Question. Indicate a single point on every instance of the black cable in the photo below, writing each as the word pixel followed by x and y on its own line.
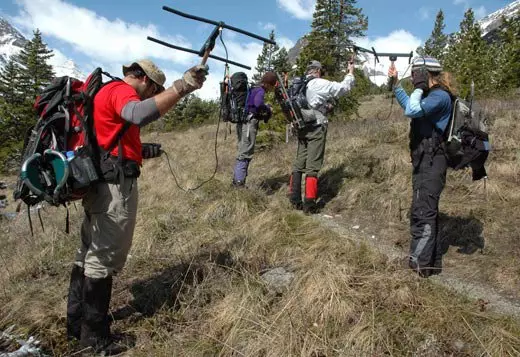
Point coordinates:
pixel 215 147
pixel 389 112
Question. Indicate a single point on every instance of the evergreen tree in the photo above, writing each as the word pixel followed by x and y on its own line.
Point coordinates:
pixel 35 72
pixel 10 83
pixel 507 54
pixel 469 57
pixel 435 46
pixel 334 23
pixel 20 81
pixel 265 59
pixel 281 61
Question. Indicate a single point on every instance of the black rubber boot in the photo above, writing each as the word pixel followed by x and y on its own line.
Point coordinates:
pixel 74 303
pixel 295 190
pixel 95 327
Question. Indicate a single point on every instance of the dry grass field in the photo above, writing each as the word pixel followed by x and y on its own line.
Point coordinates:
pixel 196 281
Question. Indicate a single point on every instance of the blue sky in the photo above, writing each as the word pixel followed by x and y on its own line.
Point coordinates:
pixel 109 33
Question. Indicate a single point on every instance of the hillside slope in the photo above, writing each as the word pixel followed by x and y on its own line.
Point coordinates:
pixel 196 283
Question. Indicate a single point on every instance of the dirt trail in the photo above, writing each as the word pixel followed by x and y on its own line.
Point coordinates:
pixel 484 294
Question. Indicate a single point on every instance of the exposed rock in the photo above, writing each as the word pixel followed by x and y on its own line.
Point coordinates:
pixel 278 279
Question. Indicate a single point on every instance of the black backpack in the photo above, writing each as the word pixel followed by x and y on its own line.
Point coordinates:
pixel 298 91
pixel 233 98
pixel 467 142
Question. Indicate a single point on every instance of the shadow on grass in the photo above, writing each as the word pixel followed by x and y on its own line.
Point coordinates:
pixel 273 184
pixel 163 289
pixel 330 183
pixel 462 232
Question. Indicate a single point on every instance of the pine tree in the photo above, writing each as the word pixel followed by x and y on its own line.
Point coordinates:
pixel 435 46
pixel 507 54
pixel 10 83
pixel 21 80
pixel 35 73
pixel 281 61
pixel 334 23
pixel 469 57
pixel 265 59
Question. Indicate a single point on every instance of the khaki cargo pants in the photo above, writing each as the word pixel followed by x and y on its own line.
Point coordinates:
pixel 108 228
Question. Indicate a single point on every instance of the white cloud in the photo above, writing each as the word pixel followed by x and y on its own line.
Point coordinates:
pixel 110 43
pixel 96 36
pixel 267 26
pixel 480 12
pixel 211 87
pixel 285 42
pixel 301 9
pixel 244 53
pixel 461 2
pixel 399 41
pixel 424 13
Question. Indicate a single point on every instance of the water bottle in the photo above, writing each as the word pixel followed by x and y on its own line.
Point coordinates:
pixel 69 155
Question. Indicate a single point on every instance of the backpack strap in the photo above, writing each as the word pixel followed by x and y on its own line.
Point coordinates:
pixel 117 141
pixel 303 88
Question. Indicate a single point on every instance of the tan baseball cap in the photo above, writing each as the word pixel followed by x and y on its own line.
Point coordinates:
pixel 150 69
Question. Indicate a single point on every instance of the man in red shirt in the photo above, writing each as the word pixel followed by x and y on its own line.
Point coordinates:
pixel 121 108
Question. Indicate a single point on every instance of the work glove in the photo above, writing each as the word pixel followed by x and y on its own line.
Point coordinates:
pixel 420 80
pixel 151 150
pixel 191 80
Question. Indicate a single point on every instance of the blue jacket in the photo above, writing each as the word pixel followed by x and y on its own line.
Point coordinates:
pixel 432 111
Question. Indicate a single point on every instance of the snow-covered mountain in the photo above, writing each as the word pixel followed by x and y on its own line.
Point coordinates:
pixel 67 68
pixel 12 42
pixel 491 23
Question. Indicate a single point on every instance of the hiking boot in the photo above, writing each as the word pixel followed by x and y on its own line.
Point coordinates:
pixel 238 184
pixel 423 272
pixel 297 205
pixel 95 326
pixel 74 303
pixel 111 346
pixel 435 271
pixel 310 207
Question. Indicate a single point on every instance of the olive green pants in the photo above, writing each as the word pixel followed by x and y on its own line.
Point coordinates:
pixel 311 150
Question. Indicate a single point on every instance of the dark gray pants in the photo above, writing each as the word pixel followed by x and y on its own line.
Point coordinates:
pixel 428 179
pixel 246 139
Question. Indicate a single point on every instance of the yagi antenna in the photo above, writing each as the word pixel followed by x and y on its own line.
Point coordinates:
pixel 209 45
pixel 391 56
